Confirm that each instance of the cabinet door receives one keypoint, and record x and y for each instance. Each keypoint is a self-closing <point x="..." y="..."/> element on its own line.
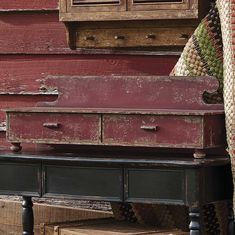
<point x="75" y="6"/>
<point x="165" y="8"/>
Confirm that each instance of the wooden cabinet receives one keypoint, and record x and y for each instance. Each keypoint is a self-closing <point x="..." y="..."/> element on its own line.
<point x="130" y="23"/>
<point x="111" y="10"/>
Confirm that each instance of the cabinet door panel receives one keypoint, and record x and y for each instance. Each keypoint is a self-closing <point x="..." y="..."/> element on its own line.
<point x="76" y="6"/>
<point x="159" y="5"/>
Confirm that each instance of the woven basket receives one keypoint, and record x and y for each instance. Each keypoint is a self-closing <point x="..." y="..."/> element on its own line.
<point x="227" y="12"/>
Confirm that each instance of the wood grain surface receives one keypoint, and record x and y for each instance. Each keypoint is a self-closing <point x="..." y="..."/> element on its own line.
<point x="23" y="74"/>
<point x="28" y="5"/>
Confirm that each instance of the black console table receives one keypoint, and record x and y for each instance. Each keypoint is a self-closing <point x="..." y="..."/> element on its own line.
<point x="190" y="182"/>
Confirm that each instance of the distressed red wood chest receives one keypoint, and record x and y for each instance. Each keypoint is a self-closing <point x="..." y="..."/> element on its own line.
<point x="144" y="111"/>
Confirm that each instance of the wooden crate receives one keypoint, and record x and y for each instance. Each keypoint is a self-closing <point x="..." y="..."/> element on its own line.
<point x="104" y="227"/>
<point x="10" y="216"/>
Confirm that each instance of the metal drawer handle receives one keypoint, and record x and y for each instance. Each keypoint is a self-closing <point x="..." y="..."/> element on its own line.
<point x="51" y="125"/>
<point x="150" y="128"/>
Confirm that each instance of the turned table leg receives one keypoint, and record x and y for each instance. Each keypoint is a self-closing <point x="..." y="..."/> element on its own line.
<point x="231" y="223"/>
<point x="27" y="216"/>
<point x="194" y="226"/>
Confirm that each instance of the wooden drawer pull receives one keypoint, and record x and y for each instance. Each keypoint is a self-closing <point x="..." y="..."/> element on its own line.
<point x="89" y="38"/>
<point x="119" y="37"/>
<point x="51" y="125"/>
<point x="150" y="128"/>
<point x="150" y="36"/>
<point x="184" y="36"/>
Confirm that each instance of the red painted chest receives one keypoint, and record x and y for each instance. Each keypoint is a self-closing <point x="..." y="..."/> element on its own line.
<point x="161" y="112"/>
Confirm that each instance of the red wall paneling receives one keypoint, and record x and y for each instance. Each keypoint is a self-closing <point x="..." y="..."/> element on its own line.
<point x="28" y="4"/>
<point x="25" y="74"/>
<point x="32" y="33"/>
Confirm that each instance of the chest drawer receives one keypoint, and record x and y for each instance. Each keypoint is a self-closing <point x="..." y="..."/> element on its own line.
<point x="153" y="131"/>
<point x="133" y="37"/>
<point x="62" y="128"/>
<point x="83" y="182"/>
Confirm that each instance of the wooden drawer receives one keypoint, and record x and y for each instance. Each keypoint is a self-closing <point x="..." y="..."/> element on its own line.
<point x="53" y="128"/>
<point x="141" y="184"/>
<point x="134" y="37"/>
<point x="155" y="131"/>
<point x="97" y="183"/>
<point x="15" y="178"/>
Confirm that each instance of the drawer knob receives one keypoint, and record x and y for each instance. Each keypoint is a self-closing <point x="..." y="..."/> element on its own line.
<point x="89" y="38"/>
<point x="119" y="37"/>
<point x="150" y="128"/>
<point x="150" y="36"/>
<point x="184" y="36"/>
<point x="51" y="125"/>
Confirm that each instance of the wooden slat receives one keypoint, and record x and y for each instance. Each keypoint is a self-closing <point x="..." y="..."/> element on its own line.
<point x="32" y="33"/>
<point x="28" y="5"/>
<point x="16" y="79"/>
<point x="108" y="227"/>
<point x="132" y="92"/>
